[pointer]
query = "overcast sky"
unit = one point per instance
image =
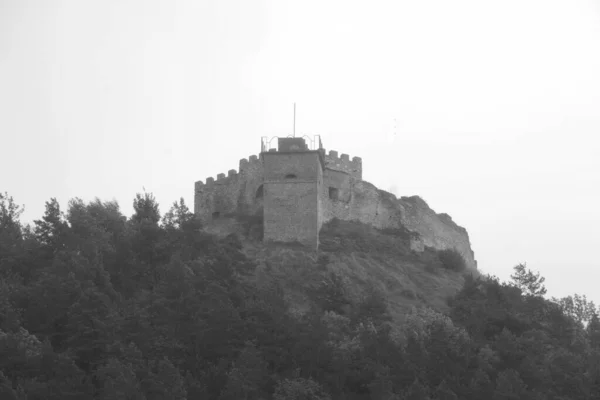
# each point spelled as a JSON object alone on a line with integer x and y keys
{"x": 497, "y": 107}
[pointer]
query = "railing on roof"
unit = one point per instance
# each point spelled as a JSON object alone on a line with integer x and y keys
{"x": 313, "y": 143}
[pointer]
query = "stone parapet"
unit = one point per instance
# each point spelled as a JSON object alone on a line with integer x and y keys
{"x": 343, "y": 163}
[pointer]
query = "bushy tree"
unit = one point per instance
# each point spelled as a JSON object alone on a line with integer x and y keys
{"x": 530, "y": 283}
{"x": 52, "y": 229}
{"x": 299, "y": 389}
{"x": 97, "y": 305}
{"x": 451, "y": 259}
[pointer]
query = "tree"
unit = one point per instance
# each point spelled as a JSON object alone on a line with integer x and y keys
{"x": 180, "y": 217}
{"x": 51, "y": 230}
{"x": 145, "y": 209}
{"x": 164, "y": 381}
{"x": 530, "y": 283}
{"x": 299, "y": 389}
{"x": 509, "y": 386}
{"x": 11, "y": 236}
{"x": 10, "y": 225}
{"x": 6, "y": 390}
{"x": 246, "y": 376}
{"x": 416, "y": 391}
{"x": 480, "y": 387}
{"x": 593, "y": 331}
{"x": 147, "y": 242}
{"x": 444, "y": 392}
{"x": 451, "y": 259}
{"x": 577, "y": 307}
{"x": 118, "y": 381}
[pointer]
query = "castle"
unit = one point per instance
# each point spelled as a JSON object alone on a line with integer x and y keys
{"x": 297, "y": 187}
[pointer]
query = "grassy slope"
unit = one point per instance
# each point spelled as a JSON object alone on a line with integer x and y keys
{"x": 362, "y": 258}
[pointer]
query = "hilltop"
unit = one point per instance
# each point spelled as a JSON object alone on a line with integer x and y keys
{"x": 297, "y": 187}
{"x": 354, "y": 259}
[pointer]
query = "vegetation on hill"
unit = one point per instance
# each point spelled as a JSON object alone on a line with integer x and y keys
{"x": 95, "y": 305}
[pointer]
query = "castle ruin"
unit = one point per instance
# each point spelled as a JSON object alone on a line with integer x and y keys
{"x": 297, "y": 187}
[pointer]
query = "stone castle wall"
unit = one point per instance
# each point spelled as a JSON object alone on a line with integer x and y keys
{"x": 291, "y": 196}
{"x": 364, "y": 202}
{"x": 234, "y": 193}
{"x": 343, "y": 163}
{"x": 339, "y": 193}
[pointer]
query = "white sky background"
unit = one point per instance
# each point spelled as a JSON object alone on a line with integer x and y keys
{"x": 497, "y": 106}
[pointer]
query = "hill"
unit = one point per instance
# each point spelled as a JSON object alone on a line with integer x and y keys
{"x": 354, "y": 259}
{"x": 97, "y": 305}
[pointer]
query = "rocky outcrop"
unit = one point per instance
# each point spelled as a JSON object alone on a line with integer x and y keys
{"x": 437, "y": 230}
{"x": 372, "y": 206}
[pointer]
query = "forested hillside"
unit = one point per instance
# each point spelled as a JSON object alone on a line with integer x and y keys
{"x": 97, "y": 305}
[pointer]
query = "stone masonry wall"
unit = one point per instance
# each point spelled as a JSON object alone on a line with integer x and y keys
{"x": 251, "y": 179}
{"x": 291, "y": 202}
{"x": 291, "y": 212}
{"x": 366, "y": 204}
{"x": 235, "y": 192}
{"x": 381, "y": 209}
{"x": 343, "y": 163}
{"x": 302, "y": 165}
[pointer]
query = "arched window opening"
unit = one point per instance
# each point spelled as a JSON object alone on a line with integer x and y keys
{"x": 259, "y": 192}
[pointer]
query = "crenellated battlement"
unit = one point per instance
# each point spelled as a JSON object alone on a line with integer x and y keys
{"x": 231, "y": 177}
{"x": 229, "y": 192}
{"x": 343, "y": 163}
{"x": 248, "y": 164}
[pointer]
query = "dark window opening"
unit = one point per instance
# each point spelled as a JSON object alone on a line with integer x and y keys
{"x": 333, "y": 193}
{"x": 259, "y": 192}
{"x": 216, "y": 214}
{"x": 290, "y": 176}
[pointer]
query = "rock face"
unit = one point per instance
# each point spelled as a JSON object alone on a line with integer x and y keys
{"x": 297, "y": 190}
{"x": 436, "y": 230}
{"x": 366, "y": 203}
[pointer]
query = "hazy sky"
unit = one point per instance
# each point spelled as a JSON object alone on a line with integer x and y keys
{"x": 497, "y": 106}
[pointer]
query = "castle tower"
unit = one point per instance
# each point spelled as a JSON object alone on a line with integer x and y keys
{"x": 293, "y": 180}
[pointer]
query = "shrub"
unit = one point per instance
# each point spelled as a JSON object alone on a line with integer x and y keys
{"x": 452, "y": 260}
{"x": 352, "y": 236}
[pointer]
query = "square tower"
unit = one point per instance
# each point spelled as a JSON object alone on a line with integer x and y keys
{"x": 293, "y": 177}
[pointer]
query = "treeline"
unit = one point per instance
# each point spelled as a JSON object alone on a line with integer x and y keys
{"x": 95, "y": 305}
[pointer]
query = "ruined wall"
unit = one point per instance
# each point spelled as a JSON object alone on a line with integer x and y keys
{"x": 216, "y": 196}
{"x": 295, "y": 208}
{"x": 343, "y": 163}
{"x": 437, "y": 230}
{"x": 365, "y": 203}
{"x": 233, "y": 193}
{"x": 381, "y": 209}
